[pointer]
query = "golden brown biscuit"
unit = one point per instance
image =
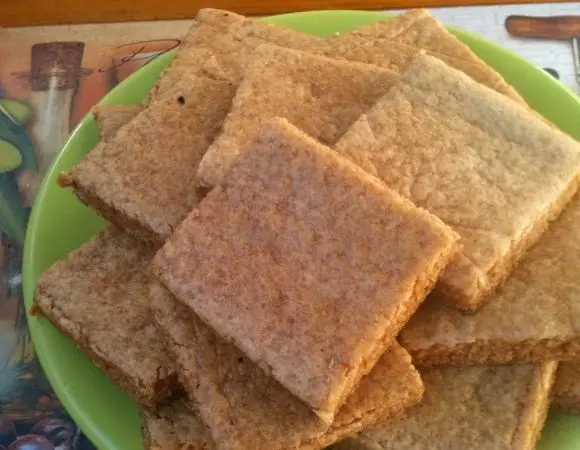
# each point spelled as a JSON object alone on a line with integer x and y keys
{"x": 483, "y": 408}
{"x": 306, "y": 263}
{"x": 397, "y": 56}
{"x": 98, "y": 296}
{"x": 219, "y": 44}
{"x": 320, "y": 95}
{"x": 486, "y": 166}
{"x": 245, "y": 408}
{"x": 143, "y": 179}
{"x": 417, "y": 29}
{"x": 533, "y": 316}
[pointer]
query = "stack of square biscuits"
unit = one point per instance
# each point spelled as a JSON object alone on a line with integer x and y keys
{"x": 296, "y": 222}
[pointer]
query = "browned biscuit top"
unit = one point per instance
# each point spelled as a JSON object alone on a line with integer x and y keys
{"x": 322, "y": 96}
{"x": 306, "y": 262}
{"x": 98, "y": 296}
{"x": 245, "y": 408}
{"x": 499, "y": 408}
{"x": 143, "y": 179}
{"x": 533, "y": 316}
{"x": 485, "y": 165}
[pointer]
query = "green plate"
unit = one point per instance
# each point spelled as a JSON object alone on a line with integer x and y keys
{"x": 59, "y": 223}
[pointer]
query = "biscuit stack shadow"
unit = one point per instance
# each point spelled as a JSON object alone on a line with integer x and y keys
{"x": 295, "y": 221}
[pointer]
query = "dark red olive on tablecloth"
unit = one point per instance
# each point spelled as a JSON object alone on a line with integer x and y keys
{"x": 31, "y": 442}
{"x": 59, "y": 432}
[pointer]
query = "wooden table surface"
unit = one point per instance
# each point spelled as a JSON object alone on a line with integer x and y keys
{"x": 44, "y": 12}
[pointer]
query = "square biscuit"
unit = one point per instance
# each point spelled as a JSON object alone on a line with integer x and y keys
{"x": 219, "y": 44}
{"x": 98, "y": 297}
{"x": 143, "y": 179}
{"x": 245, "y": 408}
{"x": 306, "y": 263}
{"x": 395, "y": 55}
{"x": 486, "y": 166}
{"x": 533, "y": 316}
{"x": 322, "y": 96}
{"x": 499, "y": 408}
{"x": 417, "y": 29}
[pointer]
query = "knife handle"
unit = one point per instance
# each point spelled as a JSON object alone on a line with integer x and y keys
{"x": 555, "y": 27}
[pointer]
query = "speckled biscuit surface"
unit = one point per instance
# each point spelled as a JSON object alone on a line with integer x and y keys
{"x": 219, "y": 44}
{"x": 175, "y": 427}
{"x": 98, "y": 297}
{"x": 306, "y": 263}
{"x": 483, "y": 164}
{"x": 143, "y": 179}
{"x": 396, "y": 56}
{"x": 417, "y": 29}
{"x": 320, "y": 95}
{"x": 533, "y": 316}
{"x": 566, "y": 392}
{"x": 245, "y": 408}
{"x": 483, "y": 408}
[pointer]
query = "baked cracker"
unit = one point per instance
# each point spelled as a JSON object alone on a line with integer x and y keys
{"x": 245, "y": 408}
{"x": 397, "y": 56}
{"x": 278, "y": 258}
{"x": 219, "y": 44}
{"x": 110, "y": 118}
{"x": 535, "y": 315}
{"x": 499, "y": 408}
{"x": 418, "y": 29}
{"x": 98, "y": 296}
{"x": 323, "y": 96}
{"x": 486, "y": 166}
{"x": 143, "y": 179}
